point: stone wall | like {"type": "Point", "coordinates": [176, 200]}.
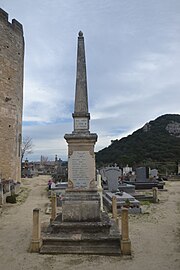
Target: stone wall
{"type": "Point", "coordinates": [11, 96]}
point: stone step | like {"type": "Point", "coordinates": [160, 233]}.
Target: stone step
{"type": "Point", "coordinates": [66, 246]}
{"type": "Point", "coordinates": [81, 237]}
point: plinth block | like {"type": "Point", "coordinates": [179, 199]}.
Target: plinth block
{"type": "Point", "coordinates": [35, 245]}
{"type": "Point", "coordinates": [126, 247]}
{"type": "Point", "coordinates": [81, 206]}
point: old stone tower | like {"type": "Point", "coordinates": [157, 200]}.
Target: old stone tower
{"type": "Point", "coordinates": [11, 96]}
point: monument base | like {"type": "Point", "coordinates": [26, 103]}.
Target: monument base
{"type": "Point", "coordinates": [101, 237]}
{"type": "Point", "coordinates": [80, 205]}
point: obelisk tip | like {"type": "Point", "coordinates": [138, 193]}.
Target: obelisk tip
{"type": "Point", "coordinates": [80, 34]}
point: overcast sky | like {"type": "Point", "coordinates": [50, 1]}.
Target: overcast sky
{"type": "Point", "coordinates": [133, 66]}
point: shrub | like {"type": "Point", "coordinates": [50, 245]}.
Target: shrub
{"type": "Point", "coordinates": [11, 199]}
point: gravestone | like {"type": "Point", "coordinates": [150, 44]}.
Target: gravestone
{"type": "Point", "coordinates": [112, 175]}
{"type": "Point", "coordinates": [154, 174]}
{"type": "Point", "coordinates": [142, 174]}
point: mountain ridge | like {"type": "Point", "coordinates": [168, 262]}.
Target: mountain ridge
{"type": "Point", "coordinates": [158, 141]}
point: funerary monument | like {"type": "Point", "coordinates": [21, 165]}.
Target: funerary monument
{"type": "Point", "coordinates": [82, 227]}
{"type": "Point", "coordinates": [11, 96]}
{"type": "Point", "coordinates": [82, 200]}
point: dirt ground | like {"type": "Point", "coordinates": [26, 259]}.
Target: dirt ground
{"type": "Point", "coordinates": [155, 235]}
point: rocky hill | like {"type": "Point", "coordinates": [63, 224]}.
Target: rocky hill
{"type": "Point", "coordinates": [157, 143]}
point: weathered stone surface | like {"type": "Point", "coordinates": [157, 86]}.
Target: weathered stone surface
{"type": "Point", "coordinates": [82, 169]}
{"type": "Point", "coordinates": [11, 96]}
{"type": "Point", "coordinates": [81, 206]}
{"type": "Point", "coordinates": [76, 245]}
{"type": "Point", "coordinates": [75, 227]}
{"type": "Point", "coordinates": [81, 96]}
{"type": "Point", "coordinates": [101, 237]}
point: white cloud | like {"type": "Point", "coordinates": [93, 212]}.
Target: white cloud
{"type": "Point", "coordinates": [133, 63]}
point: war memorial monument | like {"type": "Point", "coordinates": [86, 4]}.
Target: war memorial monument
{"type": "Point", "coordinates": [81, 227]}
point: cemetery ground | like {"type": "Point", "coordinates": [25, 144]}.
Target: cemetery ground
{"type": "Point", "coordinates": [154, 234]}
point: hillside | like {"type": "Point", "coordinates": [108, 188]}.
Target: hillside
{"type": "Point", "coordinates": [157, 142]}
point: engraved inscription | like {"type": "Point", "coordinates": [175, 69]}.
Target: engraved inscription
{"type": "Point", "coordinates": [81, 123]}
{"type": "Point", "coordinates": [81, 169]}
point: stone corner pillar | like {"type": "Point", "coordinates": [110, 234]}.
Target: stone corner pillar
{"type": "Point", "coordinates": [36, 235]}
{"type": "Point", "coordinates": [1, 195]}
{"type": "Point", "coordinates": [155, 194]}
{"type": "Point", "coordinates": [125, 241]}
{"type": "Point", "coordinates": [114, 208]}
{"type": "Point", "coordinates": [100, 191]}
{"type": "Point", "coordinates": [53, 207]}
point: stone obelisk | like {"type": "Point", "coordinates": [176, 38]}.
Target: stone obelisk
{"type": "Point", "coordinates": [82, 202]}
{"type": "Point", "coordinates": [82, 227]}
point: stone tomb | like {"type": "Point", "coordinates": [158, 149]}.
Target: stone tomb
{"type": "Point", "coordinates": [143, 180]}
{"type": "Point", "coordinates": [123, 200]}
{"type": "Point", "coordinates": [128, 188]}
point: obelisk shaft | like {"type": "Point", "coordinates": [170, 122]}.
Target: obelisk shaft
{"type": "Point", "coordinates": [81, 95]}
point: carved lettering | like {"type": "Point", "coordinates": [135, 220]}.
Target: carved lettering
{"type": "Point", "coordinates": [81, 169]}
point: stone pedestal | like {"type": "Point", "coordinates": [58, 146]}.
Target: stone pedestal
{"type": "Point", "coordinates": [81, 160]}
{"type": "Point", "coordinates": [81, 201]}
{"type": "Point", "coordinates": [81, 206]}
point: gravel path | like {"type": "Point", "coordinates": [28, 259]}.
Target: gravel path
{"type": "Point", "coordinates": [155, 235]}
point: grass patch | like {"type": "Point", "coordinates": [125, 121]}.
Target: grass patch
{"type": "Point", "coordinates": [145, 203]}
{"type": "Point", "coordinates": [23, 194]}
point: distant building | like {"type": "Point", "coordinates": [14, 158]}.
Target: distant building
{"type": "Point", "coordinates": [44, 167]}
